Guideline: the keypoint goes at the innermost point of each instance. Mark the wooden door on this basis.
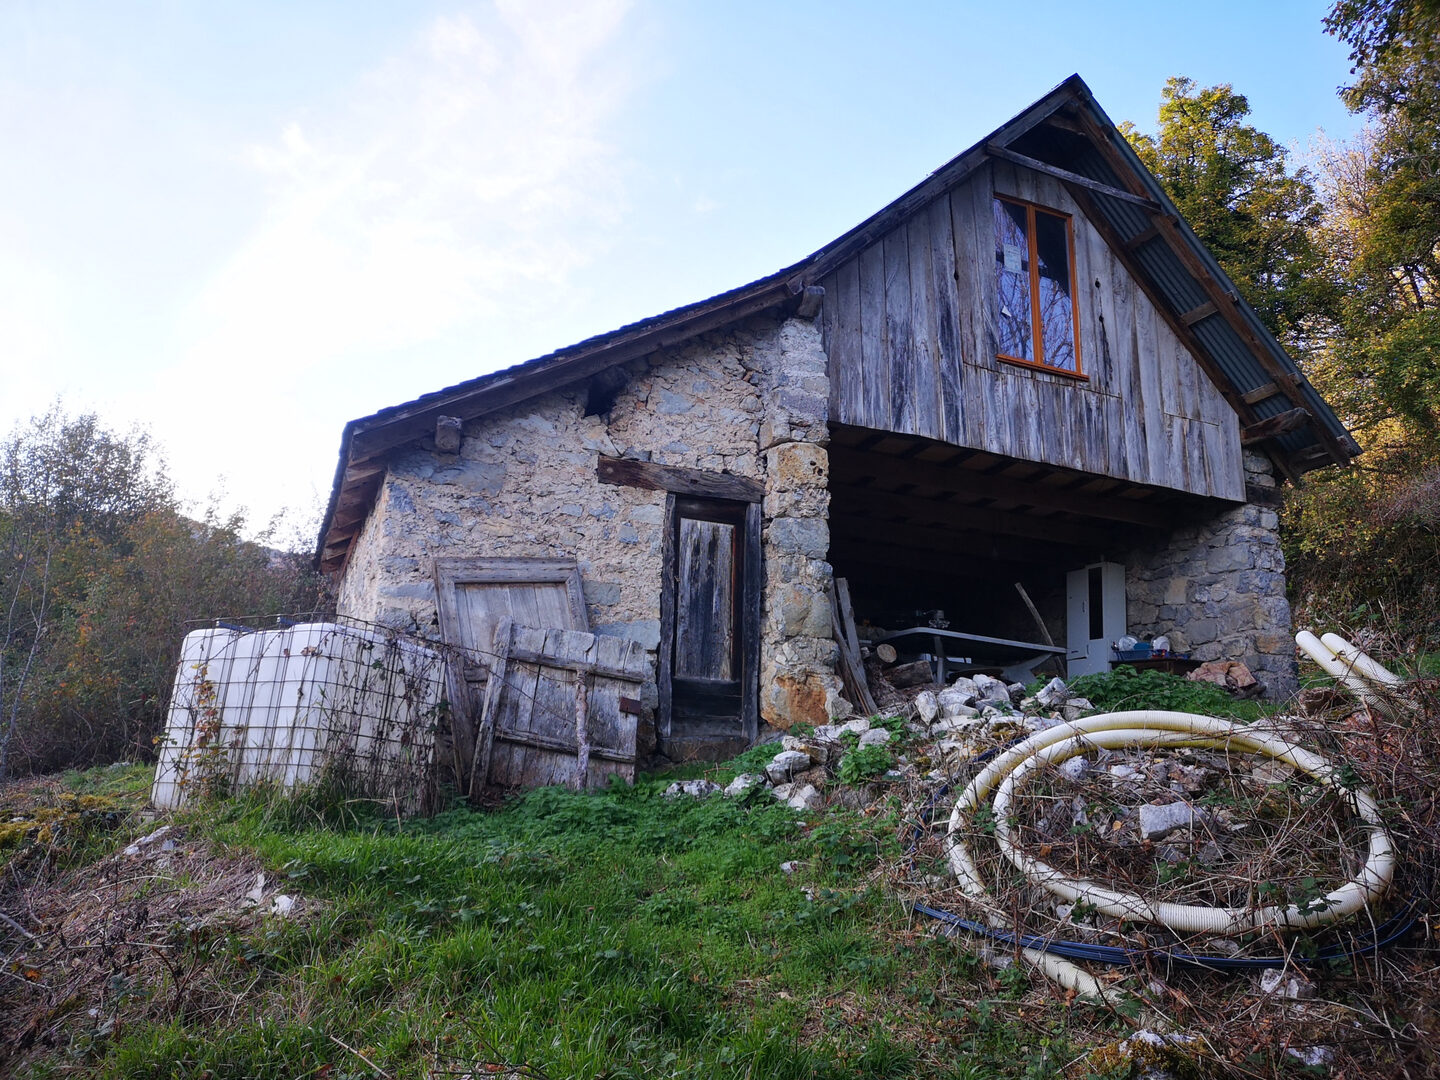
(710, 618)
(473, 596)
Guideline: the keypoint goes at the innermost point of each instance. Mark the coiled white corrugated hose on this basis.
(1007, 773)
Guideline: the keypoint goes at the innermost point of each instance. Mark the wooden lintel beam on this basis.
(852, 464)
(1275, 426)
(946, 514)
(679, 481)
(1194, 315)
(1073, 178)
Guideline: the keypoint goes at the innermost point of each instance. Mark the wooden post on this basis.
(582, 731)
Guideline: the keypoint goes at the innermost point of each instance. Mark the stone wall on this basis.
(1217, 589)
(749, 401)
(797, 650)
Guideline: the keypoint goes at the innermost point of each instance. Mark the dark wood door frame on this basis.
(748, 622)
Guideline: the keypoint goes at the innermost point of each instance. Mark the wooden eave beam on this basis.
(1275, 426)
(1226, 302)
(1194, 315)
(967, 483)
(1110, 192)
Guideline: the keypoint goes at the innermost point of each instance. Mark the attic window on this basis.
(1035, 257)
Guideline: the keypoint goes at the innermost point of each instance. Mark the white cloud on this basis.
(466, 175)
(471, 165)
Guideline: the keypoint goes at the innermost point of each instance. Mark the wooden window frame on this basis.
(1037, 335)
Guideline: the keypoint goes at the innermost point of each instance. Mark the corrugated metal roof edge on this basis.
(1322, 411)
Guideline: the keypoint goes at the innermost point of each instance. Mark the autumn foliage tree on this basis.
(99, 574)
(1342, 261)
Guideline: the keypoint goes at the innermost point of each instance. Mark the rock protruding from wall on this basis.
(1217, 589)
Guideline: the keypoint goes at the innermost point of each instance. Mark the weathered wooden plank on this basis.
(674, 478)
(899, 335)
(872, 402)
(925, 391)
(845, 355)
(1151, 395)
(705, 605)
(945, 317)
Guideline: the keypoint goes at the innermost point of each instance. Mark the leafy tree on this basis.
(99, 574)
(1234, 186)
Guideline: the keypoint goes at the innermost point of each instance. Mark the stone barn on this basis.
(1024, 371)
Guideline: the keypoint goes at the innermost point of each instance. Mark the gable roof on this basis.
(1066, 135)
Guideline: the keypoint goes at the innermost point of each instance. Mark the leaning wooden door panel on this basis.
(473, 596)
(535, 730)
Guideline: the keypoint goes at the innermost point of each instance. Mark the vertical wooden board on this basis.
(607, 730)
(704, 600)
(522, 695)
(1214, 409)
(873, 404)
(899, 337)
(977, 246)
(1171, 392)
(1150, 394)
(946, 320)
(925, 391)
(847, 371)
(555, 690)
(1123, 337)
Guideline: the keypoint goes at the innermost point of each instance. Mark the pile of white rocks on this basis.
(792, 774)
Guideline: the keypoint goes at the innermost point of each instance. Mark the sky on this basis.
(239, 226)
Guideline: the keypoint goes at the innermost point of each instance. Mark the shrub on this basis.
(1127, 688)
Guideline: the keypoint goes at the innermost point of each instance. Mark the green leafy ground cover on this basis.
(611, 935)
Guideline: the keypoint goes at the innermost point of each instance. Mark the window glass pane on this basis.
(1057, 306)
(1012, 279)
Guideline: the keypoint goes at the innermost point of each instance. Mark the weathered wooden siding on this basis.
(909, 326)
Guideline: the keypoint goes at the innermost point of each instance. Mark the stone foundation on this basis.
(1217, 589)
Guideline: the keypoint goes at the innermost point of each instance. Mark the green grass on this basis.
(613, 934)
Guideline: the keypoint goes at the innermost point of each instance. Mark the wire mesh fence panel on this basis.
(340, 702)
